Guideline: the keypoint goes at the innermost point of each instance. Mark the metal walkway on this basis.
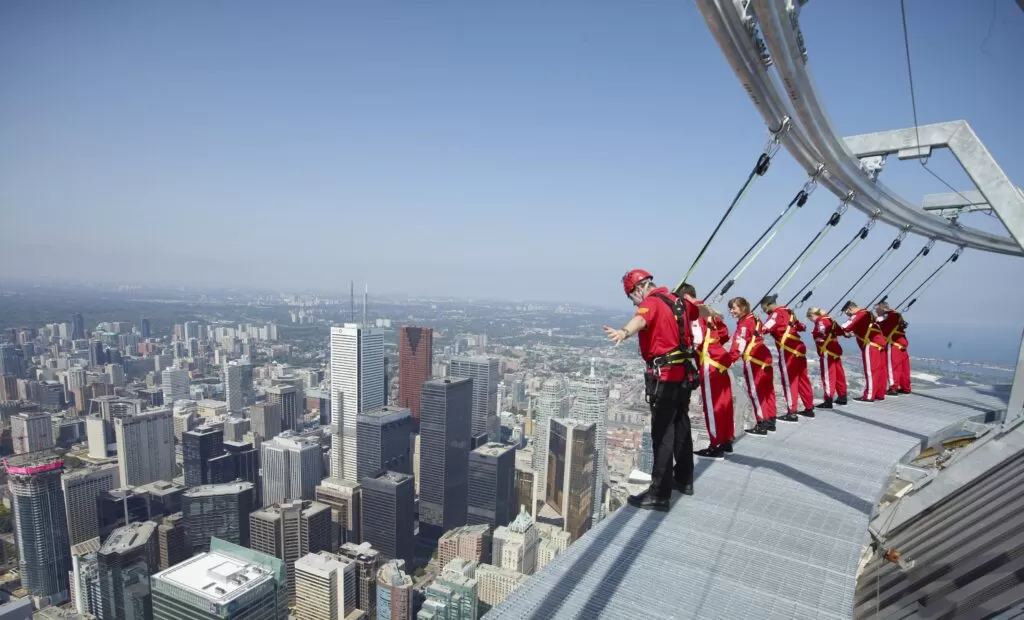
(774, 531)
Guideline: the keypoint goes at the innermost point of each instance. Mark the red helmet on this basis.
(632, 278)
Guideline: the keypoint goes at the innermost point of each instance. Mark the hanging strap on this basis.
(929, 280)
(832, 263)
(895, 245)
(903, 273)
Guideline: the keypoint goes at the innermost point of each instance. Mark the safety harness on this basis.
(705, 358)
(790, 333)
(683, 355)
(895, 333)
(872, 329)
(755, 338)
(828, 339)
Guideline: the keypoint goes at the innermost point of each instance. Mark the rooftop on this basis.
(493, 449)
(208, 490)
(776, 530)
(320, 564)
(128, 537)
(386, 411)
(215, 576)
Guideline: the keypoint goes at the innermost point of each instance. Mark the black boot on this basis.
(769, 425)
(727, 446)
(808, 413)
(758, 431)
(648, 500)
(789, 417)
(714, 452)
(825, 405)
(684, 488)
(841, 400)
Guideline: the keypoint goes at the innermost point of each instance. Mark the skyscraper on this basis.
(290, 531)
(198, 447)
(40, 525)
(592, 406)
(570, 483)
(415, 361)
(357, 385)
(287, 397)
(31, 432)
(77, 327)
(81, 488)
(345, 500)
(217, 510)
(515, 546)
(145, 446)
(266, 420)
(445, 426)
(384, 441)
(233, 386)
(174, 382)
(553, 403)
(484, 373)
(97, 356)
(325, 587)
(292, 467)
(492, 489)
(388, 514)
(125, 561)
(367, 560)
(453, 595)
(145, 330)
(394, 591)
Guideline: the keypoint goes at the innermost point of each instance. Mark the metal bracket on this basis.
(872, 166)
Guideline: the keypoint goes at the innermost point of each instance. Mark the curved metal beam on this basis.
(778, 19)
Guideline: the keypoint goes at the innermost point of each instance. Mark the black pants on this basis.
(670, 436)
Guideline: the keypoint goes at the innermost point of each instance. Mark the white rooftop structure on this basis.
(216, 577)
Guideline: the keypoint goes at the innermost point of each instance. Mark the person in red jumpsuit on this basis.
(715, 381)
(872, 350)
(898, 360)
(748, 345)
(659, 323)
(830, 357)
(796, 383)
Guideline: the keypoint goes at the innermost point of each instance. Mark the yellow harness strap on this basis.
(704, 357)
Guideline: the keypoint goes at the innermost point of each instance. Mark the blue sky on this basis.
(517, 150)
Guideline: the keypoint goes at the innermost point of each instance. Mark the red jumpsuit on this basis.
(796, 383)
(872, 349)
(748, 345)
(715, 381)
(830, 357)
(893, 328)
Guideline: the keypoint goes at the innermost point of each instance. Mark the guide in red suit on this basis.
(715, 381)
(894, 329)
(748, 345)
(872, 350)
(796, 383)
(830, 357)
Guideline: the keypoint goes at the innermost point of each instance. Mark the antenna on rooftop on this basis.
(352, 297)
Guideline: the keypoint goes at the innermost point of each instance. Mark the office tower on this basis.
(524, 487)
(345, 500)
(292, 467)
(240, 461)
(492, 491)
(191, 330)
(233, 386)
(394, 591)
(484, 373)
(445, 427)
(570, 484)
(453, 595)
(125, 561)
(77, 377)
(592, 406)
(145, 447)
(119, 507)
(81, 489)
(11, 362)
(229, 581)
(97, 356)
(115, 374)
(325, 587)
(31, 432)
(266, 420)
(77, 327)
(235, 428)
(248, 392)
(469, 542)
(217, 510)
(286, 397)
(515, 546)
(198, 447)
(184, 419)
(384, 442)
(84, 580)
(415, 360)
(162, 497)
(173, 540)
(290, 531)
(645, 457)
(388, 502)
(40, 525)
(553, 403)
(174, 382)
(495, 584)
(552, 542)
(367, 561)
(146, 332)
(357, 385)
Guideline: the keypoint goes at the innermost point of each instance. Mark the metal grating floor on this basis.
(774, 531)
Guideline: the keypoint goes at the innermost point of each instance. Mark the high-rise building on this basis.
(325, 587)
(515, 545)
(345, 500)
(469, 542)
(191, 330)
(266, 420)
(235, 428)
(240, 461)
(591, 405)
(570, 484)
(97, 356)
(287, 397)
(384, 442)
(357, 385)
(484, 372)
(125, 562)
(233, 386)
(645, 457)
(40, 525)
(367, 561)
(415, 361)
(77, 327)
(173, 540)
(217, 510)
(495, 584)
(394, 591)
(453, 595)
(31, 432)
(229, 581)
(145, 331)
(290, 531)
(445, 427)
(292, 467)
(553, 403)
(492, 489)
(145, 446)
(388, 503)
(81, 489)
(119, 507)
(174, 382)
(198, 447)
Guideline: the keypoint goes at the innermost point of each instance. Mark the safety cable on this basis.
(836, 260)
(895, 245)
(809, 249)
(883, 294)
(929, 280)
(780, 221)
(759, 169)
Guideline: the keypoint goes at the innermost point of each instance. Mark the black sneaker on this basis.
(769, 425)
(903, 391)
(891, 393)
(716, 453)
(789, 417)
(825, 405)
(841, 400)
(807, 413)
(864, 400)
(685, 489)
(727, 446)
(758, 430)
(648, 500)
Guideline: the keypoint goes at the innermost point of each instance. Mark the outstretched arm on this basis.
(618, 335)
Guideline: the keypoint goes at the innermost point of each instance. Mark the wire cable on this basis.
(929, 280)
(836, 260)
(809, 249)
(895, 245)
(882, 294)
